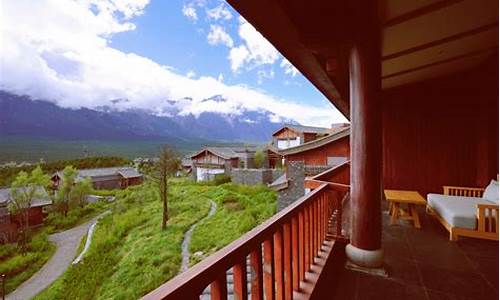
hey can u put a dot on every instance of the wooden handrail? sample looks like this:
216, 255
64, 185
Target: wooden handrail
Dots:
311, 212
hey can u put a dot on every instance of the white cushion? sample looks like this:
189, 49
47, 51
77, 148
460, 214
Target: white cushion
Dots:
491, 192
457, 211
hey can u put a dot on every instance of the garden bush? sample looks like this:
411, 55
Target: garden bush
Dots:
221, 179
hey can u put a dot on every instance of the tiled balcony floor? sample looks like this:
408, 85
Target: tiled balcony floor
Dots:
424, 264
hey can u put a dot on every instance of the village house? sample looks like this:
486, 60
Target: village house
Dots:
9, 223
211, 161
309, 159
292, 135
105, 178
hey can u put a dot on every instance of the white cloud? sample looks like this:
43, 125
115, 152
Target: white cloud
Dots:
219, 12
288, 67
237, 57
218, 35
190, 74
255, 50
190, 12
263, 74
60, 51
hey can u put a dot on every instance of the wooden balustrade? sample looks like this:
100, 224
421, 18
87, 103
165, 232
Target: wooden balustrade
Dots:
282, 250
463, 191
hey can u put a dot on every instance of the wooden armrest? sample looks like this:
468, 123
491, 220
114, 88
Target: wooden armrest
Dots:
487, 222
463, 191
487, 206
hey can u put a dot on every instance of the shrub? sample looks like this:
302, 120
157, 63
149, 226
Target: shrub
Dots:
221, 179
259, 159
231, 203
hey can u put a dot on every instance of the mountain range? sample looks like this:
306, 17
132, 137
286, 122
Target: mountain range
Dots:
23, 116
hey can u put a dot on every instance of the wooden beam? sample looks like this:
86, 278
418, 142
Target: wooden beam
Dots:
441, 41
420, 12
440, 62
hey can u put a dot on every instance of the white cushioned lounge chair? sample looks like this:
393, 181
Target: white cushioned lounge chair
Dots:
470, 212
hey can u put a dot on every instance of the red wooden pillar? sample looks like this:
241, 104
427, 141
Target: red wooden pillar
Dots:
366, 137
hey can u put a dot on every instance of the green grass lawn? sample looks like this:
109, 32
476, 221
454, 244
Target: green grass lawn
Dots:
20, 267
130, 255
240, 208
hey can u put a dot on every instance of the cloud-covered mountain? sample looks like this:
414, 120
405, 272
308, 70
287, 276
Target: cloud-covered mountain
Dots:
63, 51
22, 116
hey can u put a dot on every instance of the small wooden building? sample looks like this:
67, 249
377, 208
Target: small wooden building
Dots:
9, 224
291, 135
105, 178
211, 161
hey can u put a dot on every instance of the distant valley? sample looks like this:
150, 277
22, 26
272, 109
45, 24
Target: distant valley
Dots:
34, 129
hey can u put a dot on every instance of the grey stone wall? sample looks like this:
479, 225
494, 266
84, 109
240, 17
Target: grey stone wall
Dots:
253, 176
276, 173
295, 173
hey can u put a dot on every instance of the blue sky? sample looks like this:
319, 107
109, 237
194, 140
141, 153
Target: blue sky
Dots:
166, 36
149, 53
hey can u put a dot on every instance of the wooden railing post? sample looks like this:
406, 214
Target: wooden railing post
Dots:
287, 260
256, 267
269, 289
218, 288
307, 239
295, 253
338, 216
240, 280
315, 228
301, 246
323, 217
278, 263
318, 226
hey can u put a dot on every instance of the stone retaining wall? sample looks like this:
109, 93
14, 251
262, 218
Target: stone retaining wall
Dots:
295, 175
254, 176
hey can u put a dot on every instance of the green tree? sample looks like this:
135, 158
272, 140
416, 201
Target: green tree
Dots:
25, 188
63, 196
80, 191
258, 159
167, 165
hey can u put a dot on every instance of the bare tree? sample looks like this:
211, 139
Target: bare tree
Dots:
167, 165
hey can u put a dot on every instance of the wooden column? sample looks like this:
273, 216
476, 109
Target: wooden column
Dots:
366, 136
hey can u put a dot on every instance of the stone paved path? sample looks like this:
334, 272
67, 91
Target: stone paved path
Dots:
67, 243
189, 233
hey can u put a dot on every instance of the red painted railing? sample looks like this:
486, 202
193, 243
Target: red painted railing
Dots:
282, 251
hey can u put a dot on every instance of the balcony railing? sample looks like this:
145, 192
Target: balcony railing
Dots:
283, 252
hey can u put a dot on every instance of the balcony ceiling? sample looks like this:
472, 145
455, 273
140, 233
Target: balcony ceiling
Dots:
421, 39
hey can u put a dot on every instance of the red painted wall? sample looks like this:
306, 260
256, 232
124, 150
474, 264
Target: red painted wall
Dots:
319, 155
442, 132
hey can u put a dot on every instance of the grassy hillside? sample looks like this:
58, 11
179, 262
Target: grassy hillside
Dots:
130, 254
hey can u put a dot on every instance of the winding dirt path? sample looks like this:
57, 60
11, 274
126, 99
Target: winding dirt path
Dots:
187, 237
67, 243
